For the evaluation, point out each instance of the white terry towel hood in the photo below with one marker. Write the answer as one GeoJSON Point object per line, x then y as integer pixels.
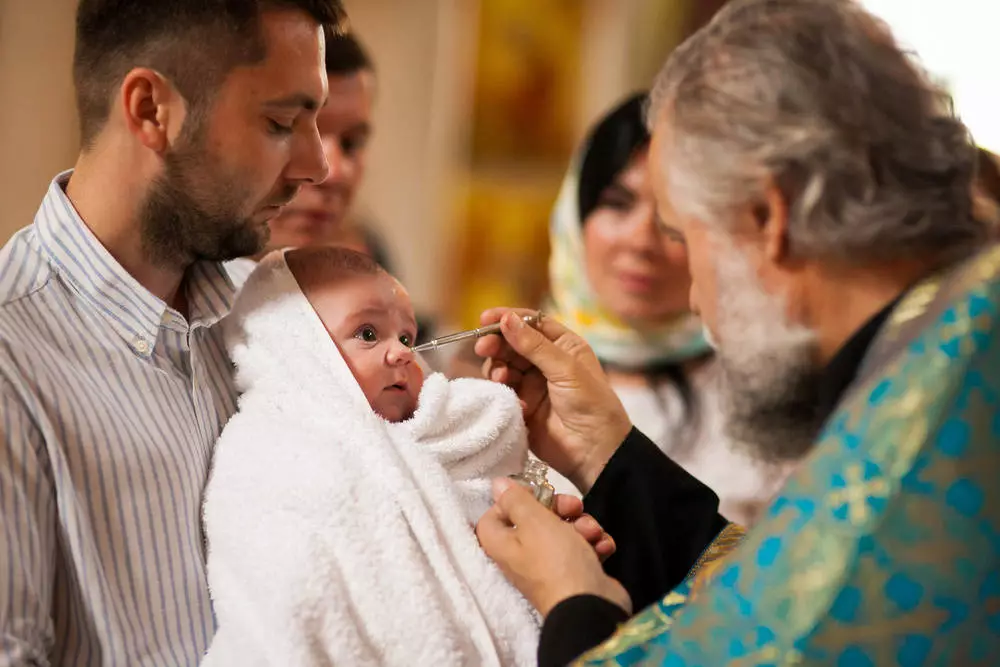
{"type": "Point", "coordinates": [336, 538]}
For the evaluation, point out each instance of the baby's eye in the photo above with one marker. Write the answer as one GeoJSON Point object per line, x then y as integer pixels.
{"type": "Point", "coordinates": [407, 340]}
{"type": "Point", "coordinates": [367, 333]}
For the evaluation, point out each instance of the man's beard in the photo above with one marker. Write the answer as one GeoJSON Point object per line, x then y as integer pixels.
{"type": "Point", "coordinates": [193, 212]}
{"type": "Point", "coordinates": [769, 373]}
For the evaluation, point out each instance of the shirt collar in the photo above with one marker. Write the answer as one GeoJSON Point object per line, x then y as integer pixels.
{"type": "Point", "coordinates": [134, 312]}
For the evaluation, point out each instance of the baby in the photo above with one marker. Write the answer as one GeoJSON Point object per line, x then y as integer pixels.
{"type": "Point", "coordinates": [339, 509]}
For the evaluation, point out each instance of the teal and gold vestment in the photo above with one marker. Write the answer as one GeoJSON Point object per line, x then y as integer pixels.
{"type": "Point", "coordinates": [884, 547]}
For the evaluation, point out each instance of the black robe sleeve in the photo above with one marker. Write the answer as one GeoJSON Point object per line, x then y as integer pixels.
{"type": "Point", "coordinates": [660, 517]}
{"type": "Point", "coordinates": [575, 626]}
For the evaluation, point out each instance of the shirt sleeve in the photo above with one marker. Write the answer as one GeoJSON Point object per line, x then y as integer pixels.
{"type": "Point", "coordinates": [661, 518]}
{"type": "Point", "coordinates": [27, 537]}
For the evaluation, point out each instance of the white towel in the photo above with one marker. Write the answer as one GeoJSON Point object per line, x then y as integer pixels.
{"type": "Point", "coordinates": [336, 538]}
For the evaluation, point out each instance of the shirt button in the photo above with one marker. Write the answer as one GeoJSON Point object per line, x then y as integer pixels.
{"type": "Point", "coordinates": [141, 345]}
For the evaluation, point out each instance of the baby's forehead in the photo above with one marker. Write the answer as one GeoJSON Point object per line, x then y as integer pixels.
{"type": "Point", "coordinates": [367, 293]}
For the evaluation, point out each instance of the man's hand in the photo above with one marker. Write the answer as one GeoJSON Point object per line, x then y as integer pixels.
{"type": "Point", "coordinates": [570, 509]}
{"type": "Point", "coordinates": [575, 420]}
{"type": "Point", "coordinates": [545, 558]}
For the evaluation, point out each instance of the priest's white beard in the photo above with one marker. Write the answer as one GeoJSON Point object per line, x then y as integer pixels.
{"type": "Point", "coordinates": [769, 374]}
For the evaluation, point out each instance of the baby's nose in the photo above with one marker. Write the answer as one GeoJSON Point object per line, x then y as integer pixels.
{"type": "Point", "coordinates": [400, 353]}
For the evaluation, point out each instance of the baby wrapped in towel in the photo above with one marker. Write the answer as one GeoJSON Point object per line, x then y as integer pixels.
{"type": "Point", "coordinates": [340, 509]}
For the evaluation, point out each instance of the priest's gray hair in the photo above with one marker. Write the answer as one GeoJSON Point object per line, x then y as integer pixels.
{"type": "Point", "coordinates": [817, 98]}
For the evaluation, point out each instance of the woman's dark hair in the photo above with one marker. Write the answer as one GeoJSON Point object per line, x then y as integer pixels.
{"type": "Point", "coordinates": [609, 148]}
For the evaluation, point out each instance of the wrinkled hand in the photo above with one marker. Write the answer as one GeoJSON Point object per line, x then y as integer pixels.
{"type": "Point", "coordinates": [570, 509]}
{"type": "Point", "coordinates": [575, 420]}
{"type": "Point", "coordinates": [545, 558]}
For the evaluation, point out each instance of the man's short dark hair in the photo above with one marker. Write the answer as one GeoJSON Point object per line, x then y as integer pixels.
{"type": "Point", "coordinates": [194, 43]}
{"type": "Point", "coordinates": [345, 55]}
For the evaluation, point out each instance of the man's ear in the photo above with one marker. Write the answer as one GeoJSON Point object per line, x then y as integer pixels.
{"type": "Point", "coordinates": [152, 107]}
{"type": "Point", "coordinates": [771, 217]}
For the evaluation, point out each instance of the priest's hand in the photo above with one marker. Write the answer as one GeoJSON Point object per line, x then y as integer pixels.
{"type": "Point", "coordinates": [575, 420]}
{"type": "Point", "coordinates": [570, 509]}
{"type": "Point", "coordinates": [544, 557]}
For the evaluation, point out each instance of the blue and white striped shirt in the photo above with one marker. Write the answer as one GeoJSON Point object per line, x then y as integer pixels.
{"type": "Point", "coordinates": [111, 404]}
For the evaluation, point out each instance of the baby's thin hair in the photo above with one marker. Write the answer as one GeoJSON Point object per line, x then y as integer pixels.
{"type": "Point", "coordinates": [315, 266]}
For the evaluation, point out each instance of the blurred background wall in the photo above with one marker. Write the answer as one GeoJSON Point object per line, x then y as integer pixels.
{"type": "Point", "coordinates": [38, 130]}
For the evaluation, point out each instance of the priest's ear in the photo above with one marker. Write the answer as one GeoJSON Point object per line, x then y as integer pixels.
{"type": "Point", "coordinates": [770, 221]}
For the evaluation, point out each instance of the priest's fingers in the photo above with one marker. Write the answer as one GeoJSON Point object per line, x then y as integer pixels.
{"type": "Point", "coordinates": [568, 507]}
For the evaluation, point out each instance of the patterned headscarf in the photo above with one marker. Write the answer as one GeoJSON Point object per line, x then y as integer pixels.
{"type": "Point", "coordinates": [574, 303]}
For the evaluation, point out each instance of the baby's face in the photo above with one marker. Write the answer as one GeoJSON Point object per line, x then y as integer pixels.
{"type": "Point", "coordinates": [371, 320]}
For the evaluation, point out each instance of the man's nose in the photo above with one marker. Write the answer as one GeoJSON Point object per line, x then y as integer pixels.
{"type": "Point", "coordinates": [341, 164]}
{"type": "Point", "coordinates": [308, 163]}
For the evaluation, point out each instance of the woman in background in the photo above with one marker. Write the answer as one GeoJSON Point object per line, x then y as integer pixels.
{"type": "Point", "coordinates": [619, 283]}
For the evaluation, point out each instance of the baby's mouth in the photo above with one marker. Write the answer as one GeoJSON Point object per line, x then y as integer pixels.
{"type": "Point", "coordinates": [399, 386]}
